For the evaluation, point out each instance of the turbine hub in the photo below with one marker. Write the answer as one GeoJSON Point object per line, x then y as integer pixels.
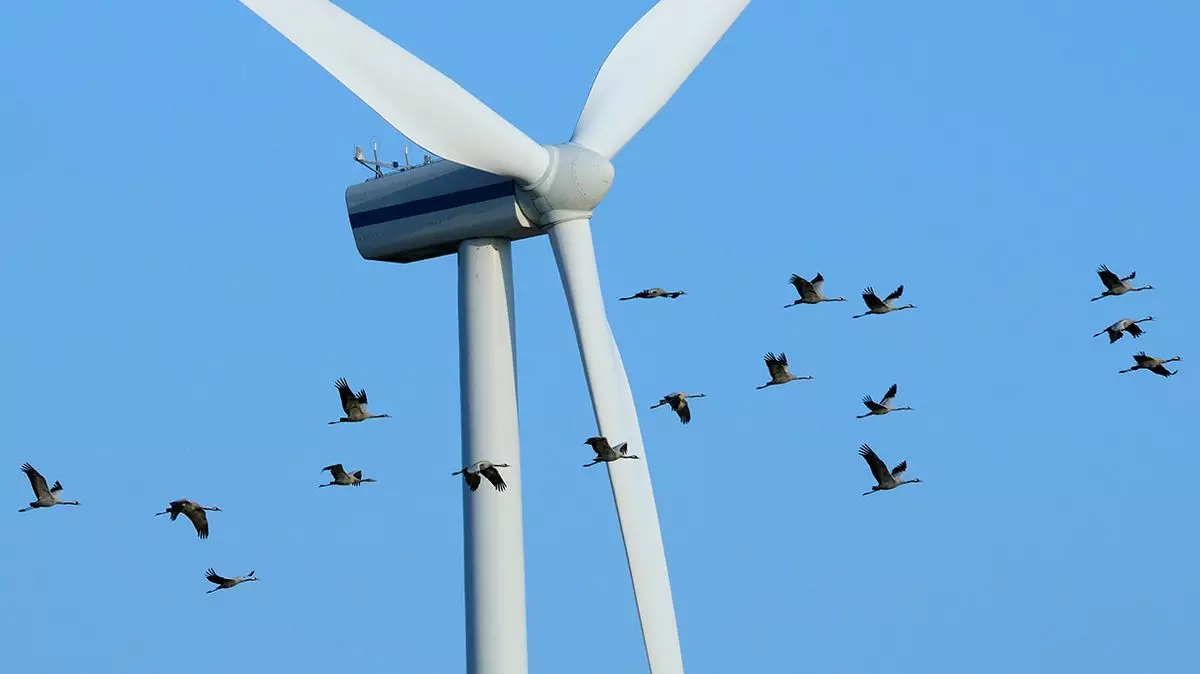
{"type": "Point", "coordinates": [577, 180]}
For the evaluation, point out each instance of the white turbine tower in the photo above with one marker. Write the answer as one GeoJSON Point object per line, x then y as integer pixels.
{"type": "Point", "coordinates": [498, 185]}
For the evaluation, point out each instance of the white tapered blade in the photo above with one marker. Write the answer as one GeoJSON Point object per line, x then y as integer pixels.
{"type": "Point", "coordinates": [420, 102]}
{"type": "Point", "coordinates": [647, 66]}
{"type": "Point", "coordinates": [617, 420]}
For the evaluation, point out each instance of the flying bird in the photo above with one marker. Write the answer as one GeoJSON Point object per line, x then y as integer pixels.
{"type": "Point", "coordinates": [1118, 329]}
{"type": "Point", "coordinates": [486, 469]}
{"type": "Point", "coordinates": [46, 496]}
{"type": "Point", "coordinates": [1115, 285]}
{"type": "Point", "coordinates": [193, 511]}
{"type": "Point", "coordinates": [883, 406]}
{"type": "Point", "coordinates": [810, 291]}
{"type": "Point", "coordinates": [343, 479]}
{"type": "Point", "coordinates": [1155, 365]}
{"type": "Point", "coordinates": [651, 293]}
{"type": "Point", "coordinates": [679, 404]}
{"type": "Point", "coordinates": [606, 453]}
{"type": "Point", "coordinates": [355, 405]}
{"type": "Point", "coordinates": [226, 583]}
{"type": "Point", "coordinates": [885, 305]}
{"type": "Point", "coordinates": [879, 469]}
{"type": "Point", "coordinates": [778, 367]}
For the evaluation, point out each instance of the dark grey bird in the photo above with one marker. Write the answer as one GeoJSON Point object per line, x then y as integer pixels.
{"type": "Point", "coordinates": [1118, 329]}
{"type": "Point", "coordinates": [46, 496]}
{"type": "Point", "coordinates": [879, 469]}
{"type": "Point", "coordinates": [486, 469]}
{"type": "Point", "coordinates": [1155, 365]}
{"type": "Point", "coordinates": [885, 305]}
{"type": "Point", "coordinates": [193, 511]}
{"type": "Point", "coordinates": [354, 404]}
{"type": "Point", "coordinates": [777, 366]}
{"type": "Point", "coordinates": [882, 407]}
{"type": "Point", "coordinates": [606, 453]}
{"type": "Point", "coordinates": [679, 404]}
{"type": "Point", "coordinates": [226, 583]}
{"type": "Point", "coordinates": [343, 479]}
{"type": "Point", "coordinates": [651, 293]}
{"type": "Point", "coordinates": [1115, 285]}
{"type": "Point", "coordinates": [810, 291]}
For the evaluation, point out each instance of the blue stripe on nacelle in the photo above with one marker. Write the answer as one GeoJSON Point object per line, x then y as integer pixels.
{"type": "Point", "coordinates": [441, 202]}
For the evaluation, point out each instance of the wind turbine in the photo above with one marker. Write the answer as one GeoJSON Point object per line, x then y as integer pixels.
{"type": "Point", "coordinates": [496, 185]}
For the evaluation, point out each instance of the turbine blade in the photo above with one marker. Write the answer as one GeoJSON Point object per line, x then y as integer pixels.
{"type": "Point", "coordinates": [647, 66]}
{"type": "Point", "coordinates": [415, 98]}
{"type": "Point", "coordinates": [616, 417]}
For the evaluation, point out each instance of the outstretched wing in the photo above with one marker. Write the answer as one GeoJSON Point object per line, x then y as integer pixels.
{"type": "Point", "coordinates": [871, 299]}
{"type": "Point", "coordinates": [1109, 279]}
{"type": "Point", "coordinates": [472, 479]}
{"type": "Point", "coordinates": [601, 446]}
{"type": "Point", "coordinates": [493, 476]}
{"type": "Point", "coordinates": [899, 469]}
{"type": "Point", "coordinates": [622, 448]}
{"type": "Point", "coordinates": [199, 520]}
{"type": "Point", "coordinates": [176, 507]}
{"type": "Point", "coordinates": [772, 362]}
{"type": "Point", "coordinates": [878, 468]}
{"type": "Point", "coordinates": [871, 404]}
{"type": "Point", "coordinates": [776, 365]}
{"type": "Point", "coordinates": [895, 294]}
{"type": "Point", "coordinates": [1140, 357]}
{"type": "Point", "coordinates": [818, 281]}
{"type": "Point", "coordinates": [349, 402]}
{"type": "Point", "coordinates": [336, 471]}
{"type": "Point", "coordinates": [40, 490]}
{"type": "Point", "coordinates": [1133, 330]}
{"type": "Point", "coordinates": [213, 577]}
{"type": "Point", "coordinates": [361, 399]}
{"type": "Point", "coordinates": [889, 396]}
{"type": "Point", "coordinates": [1161, 369]}
{"type": "Point", "coordinates": [680, 405]}
{"type": "Point", "coordinates": [802, 286]}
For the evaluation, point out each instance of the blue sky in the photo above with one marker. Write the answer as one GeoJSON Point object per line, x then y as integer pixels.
{"type": "Point", "coordinates": [182, 290]}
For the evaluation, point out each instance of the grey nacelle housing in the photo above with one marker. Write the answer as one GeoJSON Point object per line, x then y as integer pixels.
{"type": "Point", "coordinates": [425, 211]}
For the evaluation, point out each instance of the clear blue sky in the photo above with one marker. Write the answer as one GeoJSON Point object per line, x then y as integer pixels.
{"type": "Point", "coordinates": [182, 290]}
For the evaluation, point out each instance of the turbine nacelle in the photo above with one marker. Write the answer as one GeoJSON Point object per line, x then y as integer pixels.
{"type": "Point", "coordinates": [427, 211]}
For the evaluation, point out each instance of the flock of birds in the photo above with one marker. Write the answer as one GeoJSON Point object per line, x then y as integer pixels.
{"type": "Point", "coordinates": [1119, 285]}
{"type": "Point", "coordinates": [354, 406]}
{"type": "Point", "coordinates": [811, 292]}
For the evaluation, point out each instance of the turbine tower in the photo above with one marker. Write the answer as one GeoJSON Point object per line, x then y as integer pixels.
{"type": "Point", "coordinates": [496, 185]}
